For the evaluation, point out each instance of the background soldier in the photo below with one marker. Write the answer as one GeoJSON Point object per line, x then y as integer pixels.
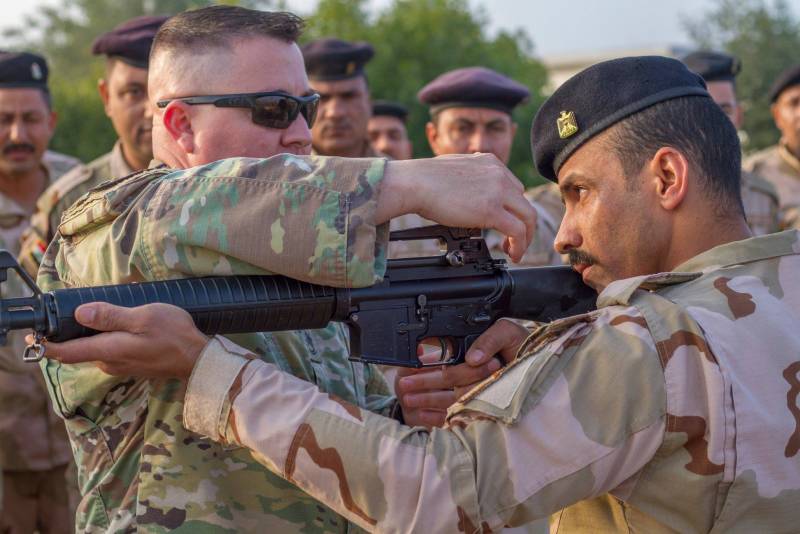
{"type": "Point", "coordinates": [34, 451]}
{"type": "Point", "coordinates": [336, 71]}
{"type": "Point", "coordinates": [471, 112]}
{"type": "Point", "coordinates": [387, 129]}
{"type": "Point", "coordinates": [780, 164]}
{"type": "Point", "coordinates": [123, 91]}
{"type": "Point", "coordinates": [759, 197]}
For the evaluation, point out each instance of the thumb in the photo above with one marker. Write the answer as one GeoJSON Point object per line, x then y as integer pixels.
{"type": "Point", "coordinates": [104, 317]}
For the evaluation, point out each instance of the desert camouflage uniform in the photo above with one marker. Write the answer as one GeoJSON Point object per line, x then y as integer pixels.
{"type": "Point", "coordinates": [306, 217]}
{"type": "Point", "coordinates": [33, 444]}
{"type": "Point", "coordinates": [549, 210]}
{"type": "Point", "coordinates": [761, 204]}
{"type": "Point", "coordinates": [780, 167]}
{"type": "Point", "coordinates": [61, 195]}
{"type": "Point", "coordinates": [672, 408]}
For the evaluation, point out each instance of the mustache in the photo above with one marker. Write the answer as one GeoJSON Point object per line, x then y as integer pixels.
{"type": "Point", "coordinates": [577, 256]}
{"type": "Point", "coordinates": [18, 146]}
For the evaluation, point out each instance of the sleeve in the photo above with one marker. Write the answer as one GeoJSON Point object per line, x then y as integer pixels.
{"type": "Point", "coordinates": [310, 218]}
{"type": "Point", "coordinates": [580, 412]}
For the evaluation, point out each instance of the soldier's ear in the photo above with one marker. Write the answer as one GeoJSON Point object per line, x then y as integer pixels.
{"type": "Point", "coordinates": [432, 134]}
{"type": "Point", "coordinates": [668, 173]}
{"type": "Point", "coordinates": [178, 123]}
{"type": "Point", "coordinates": [102, 88]}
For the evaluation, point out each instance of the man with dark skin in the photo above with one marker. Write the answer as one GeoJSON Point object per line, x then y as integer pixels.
{"type": "Point", "coordinates": [672, 407]}
{"type": "Point", "coordinates": [387, 129]}
{"type": "Point", "coordinates": [780, 164]}
{"type": "Point", "coordinates": [336, 71]}
{"type": "Point", "coordinates": [123, 91]}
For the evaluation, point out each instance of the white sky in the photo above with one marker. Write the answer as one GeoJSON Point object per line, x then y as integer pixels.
{"type": "Point", "coordinates": [556, 26]}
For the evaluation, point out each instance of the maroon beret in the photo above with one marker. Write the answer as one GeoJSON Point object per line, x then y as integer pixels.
{"type": "Point", "coordinates": [23, 69]}
{"type": "Point", "coordinates": [333, 59]}
{"type": "Point", "coordinates": [473, 87]}
{"type": "Point", "coordinates": [130, 41]}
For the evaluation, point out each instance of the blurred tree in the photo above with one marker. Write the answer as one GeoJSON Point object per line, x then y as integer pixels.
{"type": "Point", "coordinates": [765, 36]}
{"type": "Point", "coordinates": [64, 33]}
{"type": "Point", "coordinates": [417, 40]}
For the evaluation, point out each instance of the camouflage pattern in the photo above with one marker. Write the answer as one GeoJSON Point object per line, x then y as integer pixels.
{"type": "Point", "coordinates": [306, 217]}
{"type": "Point", "coordinates": [33, 443]}
{"type": "Point", "coordinates": [546, 199]}
{"type": "Point", "coordinates": [32, 438]}
{"type": "Point", "coordinates": [780, 167]}
{"type": "Point", "coordinates": [665, 410]}
{"type": "Point", "coordinates": [761, 204]}
{"type": "Point", "coordinates": [366, 151]}
{"type": "Point", "coordinates": [61, 194]}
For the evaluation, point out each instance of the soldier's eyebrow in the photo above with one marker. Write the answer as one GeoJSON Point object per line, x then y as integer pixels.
{"type": "Point", "coordinates": [569, 181]}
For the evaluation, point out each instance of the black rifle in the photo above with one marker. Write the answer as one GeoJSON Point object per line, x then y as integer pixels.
{"type": "Point", "coordinates": [453, 297]}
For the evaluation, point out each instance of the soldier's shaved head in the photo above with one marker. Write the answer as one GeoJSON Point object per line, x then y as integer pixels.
{"type": "Point", "coordinates": [224, 50]}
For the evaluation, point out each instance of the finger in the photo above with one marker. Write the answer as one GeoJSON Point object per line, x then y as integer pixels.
{"type": "Point", "coordinates": [522, 209]}
{"type": "Point", "coordinates": [432, 400]}
{"type": "Point", "coordinates": [95, 348]}
{"type": "Point", "coordinates": [516, 231]}
{"type": "Point", "coordinates": [106, 317]}
{"type": "Point", "coordinates": [503, 336]}
{"type": "Point", "coordinates": [465, 374]}
{"type": "Point", "coordinates": [432, 380]}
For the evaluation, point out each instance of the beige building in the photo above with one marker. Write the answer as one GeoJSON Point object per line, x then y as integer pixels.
{"type": "Point", "coordinates": [561, 67]}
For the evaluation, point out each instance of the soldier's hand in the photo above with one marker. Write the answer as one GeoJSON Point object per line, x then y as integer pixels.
{"type": "Point", "coordinates": [467, 191]}
{"type": "Point", "coordinates": [426, 394]}
{"type": "Point", "coordinates": [153, 341]}
{"type": "Point", "coordinates": [503, 339]}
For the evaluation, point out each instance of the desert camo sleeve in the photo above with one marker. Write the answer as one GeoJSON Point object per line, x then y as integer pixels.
{"type": "Point", "coordinates": [579, 413]}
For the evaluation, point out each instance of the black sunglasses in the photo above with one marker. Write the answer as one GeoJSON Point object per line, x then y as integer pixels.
{"type": "Point", "coordinates": [270, 109]}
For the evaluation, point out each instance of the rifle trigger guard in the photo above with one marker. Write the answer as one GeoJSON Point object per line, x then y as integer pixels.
{"type": "Point", "coordinates": [35, 351]}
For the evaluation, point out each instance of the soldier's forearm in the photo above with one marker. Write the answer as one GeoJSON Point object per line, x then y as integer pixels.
{"type": "Point", "coordinates": [308, 439]}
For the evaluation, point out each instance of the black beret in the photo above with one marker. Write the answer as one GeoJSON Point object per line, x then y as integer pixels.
{"type": "Point", "coordinates": [787, 78]}
{"type": "Point", "coordinates": [391, 109]}
{"type": "Point", "coordinates": [599, 97]}
{"type": "Point", "coordinates": [130, 41]}
{"type": "Point", "coordinates": [473, 87]}
{"type": "Point", "coordinates": [333, 59]}
{"type": "Point", "coordinates": [713, 66]}
{"type": "Point", "coordinates": [23, 69]}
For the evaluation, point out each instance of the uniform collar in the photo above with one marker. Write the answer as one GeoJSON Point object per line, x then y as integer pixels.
{"type": "Point", "coordinates": [119, 167]}
{"type": "Point", "coordinates": [750, 250]}
{"type": "Point", "coordinates": [787, 156]}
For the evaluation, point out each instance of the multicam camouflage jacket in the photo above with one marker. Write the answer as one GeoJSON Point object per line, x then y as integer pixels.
{"type": "Point", "coordinates": [779, 166]}
{"type": "Point", "coordinates": [305, 217]}
{"type": "Point", "coordinates": [671, 408]}
{"type": "Point", "coordinates": [61, 194]}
